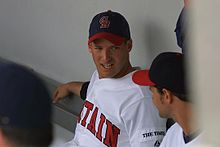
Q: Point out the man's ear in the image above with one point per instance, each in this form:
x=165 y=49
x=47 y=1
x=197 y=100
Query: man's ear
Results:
x=90 y=47
x=129 y=44
x=168 y=97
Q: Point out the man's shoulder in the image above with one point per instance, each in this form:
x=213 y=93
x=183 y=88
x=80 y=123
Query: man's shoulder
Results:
x=174 y=130
x=173 y=136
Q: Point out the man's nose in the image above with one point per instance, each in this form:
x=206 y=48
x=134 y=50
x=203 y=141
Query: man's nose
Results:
x=106 y=55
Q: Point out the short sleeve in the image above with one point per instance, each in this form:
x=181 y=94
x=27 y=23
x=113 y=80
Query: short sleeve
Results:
x=83 y=90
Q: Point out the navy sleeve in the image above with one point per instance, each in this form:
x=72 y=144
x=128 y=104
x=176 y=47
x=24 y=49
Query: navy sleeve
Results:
x=83 y=90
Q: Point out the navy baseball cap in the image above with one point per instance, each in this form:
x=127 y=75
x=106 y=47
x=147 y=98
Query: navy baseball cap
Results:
x=111 y=26
x=24 y=99
x=166 y=71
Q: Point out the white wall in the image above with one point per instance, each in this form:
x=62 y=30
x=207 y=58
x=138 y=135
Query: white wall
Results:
x=51 y=35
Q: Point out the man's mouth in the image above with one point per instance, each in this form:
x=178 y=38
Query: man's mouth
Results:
x=107 y=66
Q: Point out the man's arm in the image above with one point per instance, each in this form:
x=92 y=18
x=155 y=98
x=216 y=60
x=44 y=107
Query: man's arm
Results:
x=67 y=89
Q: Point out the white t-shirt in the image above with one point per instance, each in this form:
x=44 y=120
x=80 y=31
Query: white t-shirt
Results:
x=174 y=138
x=118 y=113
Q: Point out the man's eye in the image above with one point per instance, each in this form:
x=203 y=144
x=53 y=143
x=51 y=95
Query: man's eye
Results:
x=114 y=47
x=98 y=48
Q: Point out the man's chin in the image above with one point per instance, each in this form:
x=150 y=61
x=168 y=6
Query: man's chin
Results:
x=106 y=75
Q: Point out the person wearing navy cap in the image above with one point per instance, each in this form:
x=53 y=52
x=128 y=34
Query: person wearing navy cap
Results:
x=167 y=80
x=116 y=112
x=25 y=108
x=181 y=29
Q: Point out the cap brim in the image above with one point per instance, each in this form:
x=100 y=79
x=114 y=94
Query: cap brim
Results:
x=115 y=39
x=142 y=78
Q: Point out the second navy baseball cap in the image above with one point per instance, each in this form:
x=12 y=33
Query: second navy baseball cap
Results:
x=181 y=29
x=166 y=71
x=25 y=102
x=111 y=26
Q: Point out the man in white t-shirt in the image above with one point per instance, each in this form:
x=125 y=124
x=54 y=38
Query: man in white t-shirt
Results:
x=116 y=112
x=166 y=78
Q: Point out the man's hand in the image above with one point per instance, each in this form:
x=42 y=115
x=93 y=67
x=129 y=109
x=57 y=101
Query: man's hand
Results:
x=67 y=89
x=61 y=92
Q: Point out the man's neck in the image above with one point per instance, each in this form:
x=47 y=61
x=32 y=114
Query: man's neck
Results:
x=184 y=116
x=128 y=69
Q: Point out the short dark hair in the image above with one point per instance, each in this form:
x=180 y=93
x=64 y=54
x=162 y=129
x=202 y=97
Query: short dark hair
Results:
x=27 y=137
x=180 y=96
x=159 y=89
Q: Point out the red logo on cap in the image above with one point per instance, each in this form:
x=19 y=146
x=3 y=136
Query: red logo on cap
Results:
x=104 y=22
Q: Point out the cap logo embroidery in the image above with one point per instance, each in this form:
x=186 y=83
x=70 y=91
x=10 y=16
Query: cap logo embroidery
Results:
x=104 y=22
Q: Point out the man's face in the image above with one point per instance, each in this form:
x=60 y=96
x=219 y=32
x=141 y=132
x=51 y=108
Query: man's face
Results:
x=159 y=102
x=111 y=61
